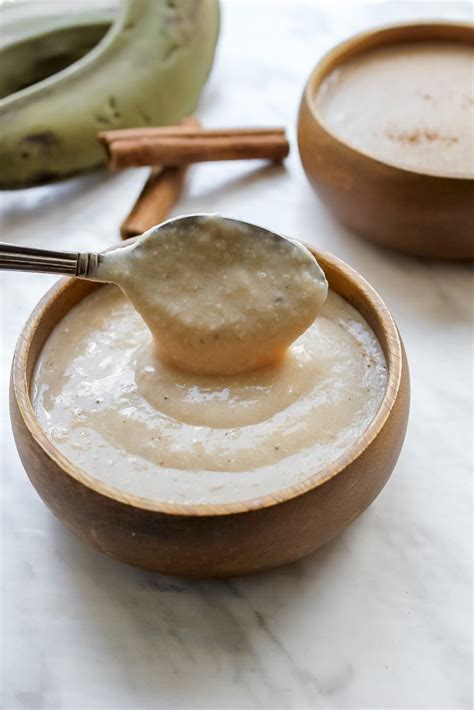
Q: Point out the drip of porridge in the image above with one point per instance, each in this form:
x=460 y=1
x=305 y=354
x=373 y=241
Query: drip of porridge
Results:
x=217 y=297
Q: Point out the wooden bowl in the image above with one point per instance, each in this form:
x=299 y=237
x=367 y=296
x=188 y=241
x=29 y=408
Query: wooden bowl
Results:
x=419 y=214
x=213 y=540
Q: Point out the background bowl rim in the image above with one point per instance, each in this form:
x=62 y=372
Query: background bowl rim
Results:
x=352 y=46
x=21 y=391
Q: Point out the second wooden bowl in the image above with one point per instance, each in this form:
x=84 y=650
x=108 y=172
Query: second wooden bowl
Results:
x=416 y=213
x=213 y=540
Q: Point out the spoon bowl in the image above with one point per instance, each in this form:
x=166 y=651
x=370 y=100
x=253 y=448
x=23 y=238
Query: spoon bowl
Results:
x=219 y=295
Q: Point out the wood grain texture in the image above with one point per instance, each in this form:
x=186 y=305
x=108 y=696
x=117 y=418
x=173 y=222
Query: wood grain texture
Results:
x=213 y=540
x=419 y=214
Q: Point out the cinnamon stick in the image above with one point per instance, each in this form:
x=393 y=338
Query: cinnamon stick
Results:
x=183 y=146
x=188 y=127
x=160 y=192
x=158 y=197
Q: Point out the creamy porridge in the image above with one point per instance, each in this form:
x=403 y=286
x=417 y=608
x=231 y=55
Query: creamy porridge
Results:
x=408 y=104
x=115 y=410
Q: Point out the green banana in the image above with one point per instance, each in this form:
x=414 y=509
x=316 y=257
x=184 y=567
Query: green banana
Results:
x=34 y=59
x=148 y=69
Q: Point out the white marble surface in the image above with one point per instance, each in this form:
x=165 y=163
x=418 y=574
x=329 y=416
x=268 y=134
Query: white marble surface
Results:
x=380 y=618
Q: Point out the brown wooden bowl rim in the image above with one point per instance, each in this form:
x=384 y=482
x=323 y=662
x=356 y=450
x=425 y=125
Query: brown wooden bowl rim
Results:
x=393 y=354
x=354 y=45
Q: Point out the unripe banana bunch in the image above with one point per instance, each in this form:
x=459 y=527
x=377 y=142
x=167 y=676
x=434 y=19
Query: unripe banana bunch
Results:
x=148 y=68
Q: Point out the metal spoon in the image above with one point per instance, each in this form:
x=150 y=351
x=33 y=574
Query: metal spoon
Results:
x=84 y=264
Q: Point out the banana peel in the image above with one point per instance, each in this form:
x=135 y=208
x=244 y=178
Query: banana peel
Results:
x=33 y=59
x=148 y=69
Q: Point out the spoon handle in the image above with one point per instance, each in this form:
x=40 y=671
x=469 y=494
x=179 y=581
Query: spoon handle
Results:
x=17 y=258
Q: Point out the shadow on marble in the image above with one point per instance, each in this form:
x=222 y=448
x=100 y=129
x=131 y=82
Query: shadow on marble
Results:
x=19 y=204
x=211 y=99
x=243 y=182
x=169 y=634
x=434 y=291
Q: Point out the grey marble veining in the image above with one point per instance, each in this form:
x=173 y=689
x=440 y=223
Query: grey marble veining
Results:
x=381 y=617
